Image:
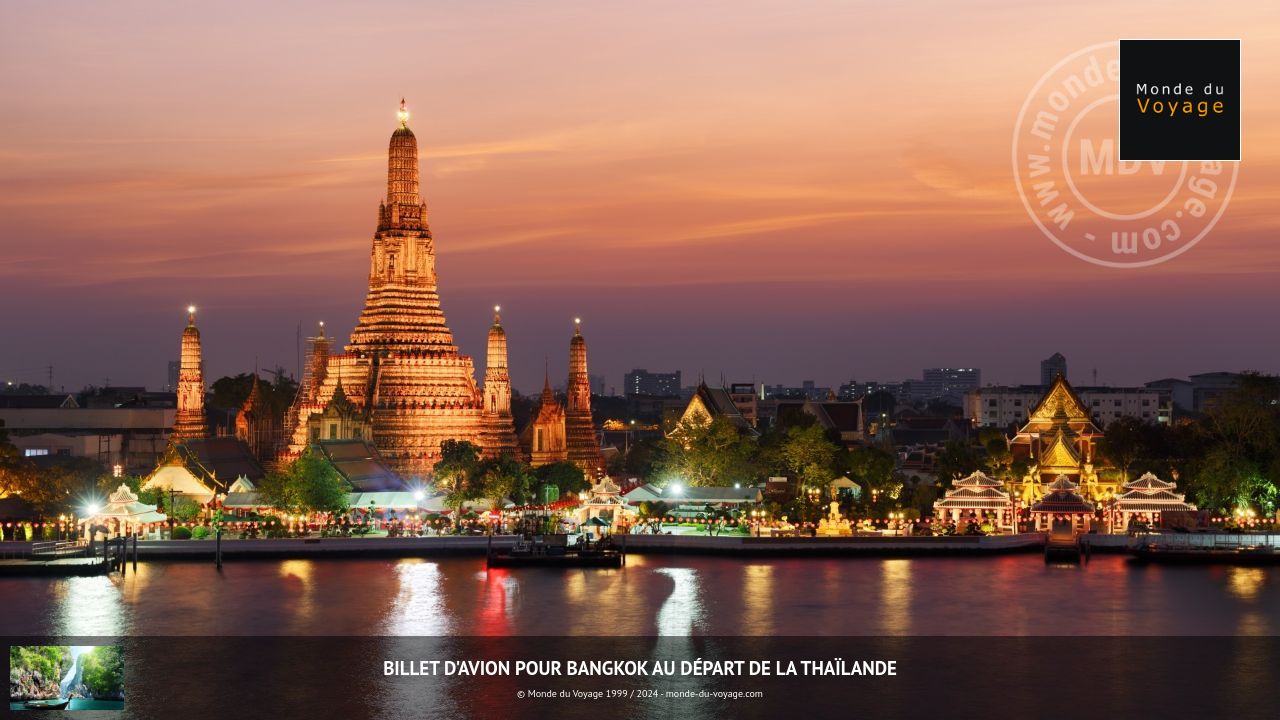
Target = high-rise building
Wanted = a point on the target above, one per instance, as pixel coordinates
(949, 383)
(599, 385)
(744, 397)
(654, 384)
(190, 422)
(1051, 367)
(808, 390)
(175, 366)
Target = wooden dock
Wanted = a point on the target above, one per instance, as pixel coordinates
(68, 559)
(59, 567)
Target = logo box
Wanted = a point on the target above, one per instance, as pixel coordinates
(1180, 100)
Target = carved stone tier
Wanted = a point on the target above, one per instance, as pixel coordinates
(580, 432)
(401, 369)
(190, 422)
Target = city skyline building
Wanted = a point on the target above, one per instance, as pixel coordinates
(641, 382)
(1051, 367)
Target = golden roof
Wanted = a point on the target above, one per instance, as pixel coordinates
(1060, 399)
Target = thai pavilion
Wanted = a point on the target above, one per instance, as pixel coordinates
(605, 501)
(975, 497)
(1062, 504)
(1059, 438)
(1145, 500)
(123, 515)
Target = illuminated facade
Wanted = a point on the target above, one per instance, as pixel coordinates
(580, 432)
(190, 422)
(1062, 508)
(1146, 500)
(1059, 439)
(546, 434)
(978, 496)
(258, 426)
(498, 434)
(401, 371)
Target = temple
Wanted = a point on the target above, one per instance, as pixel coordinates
(1062, 507)
(401, 372)
(498, 434)
(1147, 501)
(190, 422)
(579, 429)
(257, 425)
(976, 497)
(544, 437)
(560, 433)
(1059, 439)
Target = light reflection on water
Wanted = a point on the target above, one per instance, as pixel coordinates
(1246, 582)
(681, 612)
(895, 597)
(673, 596)
(757, 594)
(418, 608)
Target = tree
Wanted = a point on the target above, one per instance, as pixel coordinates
(1241, 456)
(308, 484)
(1123, 443)
(640, 457)
(957, 459)
(231, 391)
(999, 456)
(51, 489)
(705, 452)
(879, 403)
(809, 455)
(17, 473)
(103, 671)
(567, 477)
(457, 473)
(505, 477)
(320, 488)
(873, 468)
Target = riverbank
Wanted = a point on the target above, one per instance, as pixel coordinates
(729, 546)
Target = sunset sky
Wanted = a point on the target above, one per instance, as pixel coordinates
(775, 191)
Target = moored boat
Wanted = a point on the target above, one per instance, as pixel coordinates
(556, 551)
(46, 704)
(1227, 549)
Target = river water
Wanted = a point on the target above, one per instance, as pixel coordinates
(669, 596)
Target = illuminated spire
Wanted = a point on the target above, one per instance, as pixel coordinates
(402, 171)
(189, 423)
(583, 448)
